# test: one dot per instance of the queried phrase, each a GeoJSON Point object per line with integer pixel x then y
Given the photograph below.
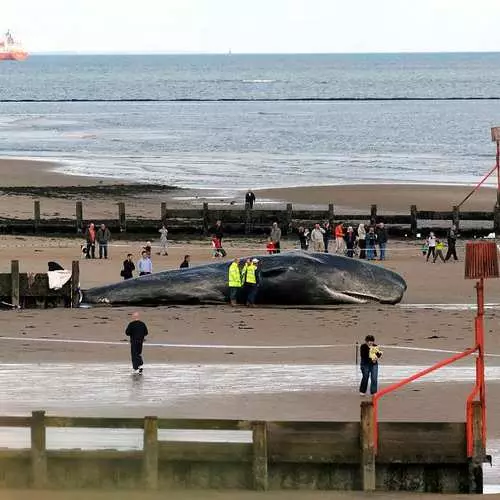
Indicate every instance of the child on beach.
{"type": "Point", "coordinates": [431, 245]}
{"type": "Point", "coordinates": [439, 251]}
{"type": "Point", "coordinates": [270, 247]}
{"type": "Point", "coordinates": [218, 251]}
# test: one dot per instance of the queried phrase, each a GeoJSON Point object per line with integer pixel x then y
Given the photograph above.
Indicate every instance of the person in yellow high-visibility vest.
{"type": "Point", "coordinates": [235, 281]}
{"type": "Point", "coordinates": [252, 280]}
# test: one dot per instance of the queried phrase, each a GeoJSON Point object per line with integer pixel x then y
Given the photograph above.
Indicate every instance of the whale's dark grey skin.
{"type": "Point", "coordinates": [294, 278]}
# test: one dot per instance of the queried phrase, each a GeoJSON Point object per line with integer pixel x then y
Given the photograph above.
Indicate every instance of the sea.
{"type": "Point", "coordinates": [212, 121]}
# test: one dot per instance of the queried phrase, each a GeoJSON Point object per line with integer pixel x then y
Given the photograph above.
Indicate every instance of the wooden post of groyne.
{"type": "Point", "coordinates": [248, 219]}
{"type": "Point", "coordinates": [150, 457]}
{"type": "Point", "coordinates": [163, 212]}
{"type": "Point", "coordinates": [122, 220]}
{"type": "Point", "coordinates": [373, 214]}
{"type": "Point", "coordinates": [75, 283]}
{"type": "Point", "coordinates": [36, 215]}
{"type": "Point", "coordinates": [79, 217]}
{"type": "Point", "coordinates": [367, 447]}
{"type": "Point", "coordinates": [456, 216]}
{"type": "Point", "coordinates": [478, 451]}
{"type": "Point", "coordinates": [38, 450]}
{"type": "Point", "coordinates": [206, 221]}
{"type": "Point", "coordinates": [331, 214]}
{"type": "Point", "coordinates": [413, 220]}
{"type": "Point", "coordinates": [289, 218]}
{"type": "Point", "coordinates": [260, 464]}
{"type": "Point", "coordinates": [14, 280]}
{"type": "Point", "coordinates": [496, 219]}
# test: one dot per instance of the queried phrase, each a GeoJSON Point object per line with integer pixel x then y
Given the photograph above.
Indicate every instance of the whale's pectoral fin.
{"type": "Point", "coordinates": [342, 298]}
{"type": "Point", "coordinates": [275, 271]}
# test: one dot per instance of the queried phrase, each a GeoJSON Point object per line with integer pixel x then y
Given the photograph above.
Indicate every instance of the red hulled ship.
{"type": "Point", "coordinates": [11, 50]}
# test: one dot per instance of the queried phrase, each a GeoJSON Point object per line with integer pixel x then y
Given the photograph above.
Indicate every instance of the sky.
{"type": "Point", "coordinates": [254, 26]}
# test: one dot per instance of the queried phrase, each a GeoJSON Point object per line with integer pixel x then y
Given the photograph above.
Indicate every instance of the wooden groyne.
{"type": "Point", "coordinates": [412, 456]}
{"type": "Point", "coordinates": [245, 221]}
{"type": "Point", "coordinates": [31, 290]}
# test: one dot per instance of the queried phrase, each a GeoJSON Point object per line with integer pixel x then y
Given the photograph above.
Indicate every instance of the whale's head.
{"type": "Point", "coordinates": [357, 281]}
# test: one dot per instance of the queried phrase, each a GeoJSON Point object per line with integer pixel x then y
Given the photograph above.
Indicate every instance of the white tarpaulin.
{"type": "Point", "coordinates": [57, 279]}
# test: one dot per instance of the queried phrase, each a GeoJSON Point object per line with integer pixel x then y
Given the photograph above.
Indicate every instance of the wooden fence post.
{"type": "Point", "coordinates": [163, 212]}
{"type": "Point", "coordinates": [122, 219]}
{"type": "Point", "coordinates": [79, 217]}
{"type": "Point", "coordinates": [331, 214]}
{"type": "Point", "coordinates": [259, 440]}
{"type": "Point", "coordinates": [150, 453]}
{"type": "Point", "coordinates": [368, 477]}
{"type": "Point", "coordinates": [289, 218]}
{"type": "Point", "coordinates": [456, 216]}
{"type": "Point", "coordinates": [496, 219]}
{"type": "Point", "coordinates": [38, 450]}
{"type": "Point", "coordinates": [36, 215]}
{"type": "Point", "coordinates": [206, 219]}
{"type": "Point", "coordinates": [478, 451]}
{"type": "Point", "coordinates": [75, 283]}
{"type": "Point", "coordinates": [14, 280]}
{"type": "Point", "coordinates": [373, 214]}
{"type": "Point", "coordinates": [248, 218]}
{"type": "Point", "coordinates": [413, 220]}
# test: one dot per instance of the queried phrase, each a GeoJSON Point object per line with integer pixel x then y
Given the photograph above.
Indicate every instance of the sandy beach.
{"type": "Point", "coordinates": [435, 317]}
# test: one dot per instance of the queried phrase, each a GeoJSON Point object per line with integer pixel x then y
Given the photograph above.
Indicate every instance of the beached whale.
{"type": "Point", "coordinates": [294, 278]}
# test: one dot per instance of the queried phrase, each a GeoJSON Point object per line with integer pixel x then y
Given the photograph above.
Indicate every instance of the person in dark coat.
{"type": "Point", "coordinates": [350, 241]}
{"type": "Point", "coordinates": [369, 355]}
{"type": "Point", "coordinates": [185, 262]}
{"type": "Point", "coordinates": [326, 235]}
{"type": "Point", "coordinates": [218, 231]}
{"type": "Point", "coordinates": [137, 331]}
{"type": "Point", "coordinates": [381, 233]}
{"type": "Point", "coordinates": [103, 237]}
{"type": "Point", "coordinates": [128, 268]}
{"type": "Point", "coordinates": [249, 199]}
{"type": "Point", "coordinates": [452, 242]}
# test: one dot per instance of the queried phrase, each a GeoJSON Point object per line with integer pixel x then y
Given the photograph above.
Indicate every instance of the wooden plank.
{"type": "Point", "coordinates": [7, 454]}
{"type": "Point", "coordinates": [204, 424]}
{"type": "Point", "coordinates": [94, 455]}
{"type": "Point", "coordinates": [75, 283]}
{"type": "Point", "coordinates": [187, 451]}
{"type": "Point", "coordinates": [122, 219]}
{"type": "Point", "coordinates": [260, 458]}
{"type": "Point", "coordinates": [36, 215]}
{"type": "Point", "coordinates": [413, 220]}
{"type": "Point", "coordinates": [314, 442]}
{"type": "Point", "coordinates": [206, 219]}
{"type": "Point", "coordinates": [15, 421]}
{"type": "Point", "coordinates": [421, 442]}
{"type": "Point", "coordinates": [163, 212]}
{"type": "Point", "coordinates": [373, 213]}
{"type": "Point", "coordinates": [14, 276]}
{"type": "Point", "coordinates": [331, 214]}
{"type": "Point", "coordinates": [38, 450]}
{"type": "Point", "coordinates": [367, 442]}
{"type": "Point", "coordinates": [150, 459]}
{"type": "Point", "coordinates": [79, 217]}
{"type": "Point", "coordinates": [95, 422]}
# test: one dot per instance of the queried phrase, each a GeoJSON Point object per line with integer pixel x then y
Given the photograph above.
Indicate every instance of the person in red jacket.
{"type": "Point", "coordinates": [339, 238]}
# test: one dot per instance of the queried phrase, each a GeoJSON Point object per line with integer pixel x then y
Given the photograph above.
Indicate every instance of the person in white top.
{"type": "Point", "coordinates": [362, 241]}
{"type": "Point", "coordinates": [431, 246]}
{"type": "Point", "coordinates": [163, 239]}
{"type": "Point", "coordinates": [318, 243]}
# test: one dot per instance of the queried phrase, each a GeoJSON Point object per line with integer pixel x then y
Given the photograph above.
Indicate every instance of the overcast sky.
{"type": "Point", "coordinates": [254, 26]}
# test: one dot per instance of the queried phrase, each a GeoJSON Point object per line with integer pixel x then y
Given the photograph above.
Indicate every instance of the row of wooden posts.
{"type": "Point", "coordinates": [251, 217]}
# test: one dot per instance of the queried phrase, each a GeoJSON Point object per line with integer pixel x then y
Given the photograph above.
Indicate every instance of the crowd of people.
{"type": "Point", "coordinates": [366, 241]}
{"type": "Point", "coordinates": [433, 247]}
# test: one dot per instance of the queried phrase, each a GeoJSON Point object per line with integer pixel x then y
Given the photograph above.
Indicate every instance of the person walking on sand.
{"type": "Point", "coordinates": [276, 236]}
{"type": "Point", "coordinates": [137, 331]}
{"type": "Point", "coordinates": [362, 241]}
{"type": "Point", "coordinates": [185, 262]}
{"type": "Point", "coordinates": [145, 266]}
{"type": "Point", "coordinates": [302, 238]}
{"type": "Point", "coordinates": [439, 251]}
{"type": "Point", "coordinates": [431, 247]}
{"type": "Point", "coordinates": [452, 242]}
{"type": "Point", "coordinates": [317, 240]}
{"type": "Point", "coordinates": [326, 235]}
{"type": "Point", "coordinates": [163, 239]}
{"type": "Point", "coordinates": [90, 236]}
{"type": "Point", "coordinates": [369, 354]}
{"type": "Point", "coordinates": [249, 199]}
{"type": "Point", "coordinates": [339, 238]}
{"type": "Point", "coordinates": [234, 281]}
{"type": "Point", "coordinates": [103, 237]}
{"type": "Point", "coordinates": [128, 268]}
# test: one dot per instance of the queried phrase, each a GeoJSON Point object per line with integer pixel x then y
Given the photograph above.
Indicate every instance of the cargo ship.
{"type": "Point", "coordinates": [10, 49]}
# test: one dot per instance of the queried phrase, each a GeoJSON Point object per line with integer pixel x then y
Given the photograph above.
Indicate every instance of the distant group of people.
{"type": "Point", "coordinates": [362, 241]}
{"type": "Point", "coordinates": [433, 246]}
{"type": "Point", "coordinates": [101, 236]}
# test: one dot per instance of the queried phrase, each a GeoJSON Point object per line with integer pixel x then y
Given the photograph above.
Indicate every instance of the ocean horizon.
{"type": "Point", "coordinates": [269, 120]}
